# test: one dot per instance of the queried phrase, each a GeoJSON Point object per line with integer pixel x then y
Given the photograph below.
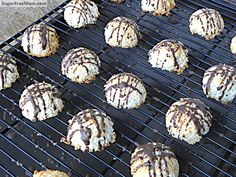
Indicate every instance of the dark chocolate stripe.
{"type": "Point", "coordinates": [130, 85]}
{"type": "Point", "coordinates": [122, 85]}
{"type": "Point", "coordinates": [149, 151]}
{"type": "Point", "coordinates": [212, 75]}
{"type": "Point", "coordinates": [229, 80]}
{"type": "Point", "coordinates": [78, 57]}
{"type": "Point", "coordinates": [43, 32]}
{"type": "Point", "coordinates": [114, 77]}
{"type": "Point", "coordinates": [226, 73]}
{"type": "Point", "coordinates": [172, 47]}
{"type": "Point", "coordinates": [84, 10]}
{"type": "Point", "coordinates": [213, 19]}
{"type": "Point", "coordinates": [192, 114]}
{"type": "Point", "coordinates": [129, 24]}
{"type": "Point", "coordinates": [86, 133]}
{"type": "Point", "coordinates": [5, 62]}
{"type": "Point", "coordinates": [41, 92]}
{"type": "Point", "coordinates": [82, 13]}
{"type": "Point", "coordinates": [36, 93]}
{"type": "Point", "coordinates": [148, 164]}
{"type": "Point", "coordinates": [128, 94]}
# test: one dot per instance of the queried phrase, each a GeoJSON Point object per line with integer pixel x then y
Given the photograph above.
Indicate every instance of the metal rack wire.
{"type": "Point", "coordinates": [28, 146]}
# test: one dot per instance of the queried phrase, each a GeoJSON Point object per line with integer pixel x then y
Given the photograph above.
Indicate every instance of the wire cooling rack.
{"type": "Point", "coordinates": [26, 146]}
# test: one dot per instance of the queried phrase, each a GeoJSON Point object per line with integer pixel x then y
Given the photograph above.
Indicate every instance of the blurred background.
{"type": "Point", "coordinates": [14, 19]}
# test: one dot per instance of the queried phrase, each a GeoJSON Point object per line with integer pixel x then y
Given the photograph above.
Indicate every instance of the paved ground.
{"type": "Point", "coordinates": [14, 19]}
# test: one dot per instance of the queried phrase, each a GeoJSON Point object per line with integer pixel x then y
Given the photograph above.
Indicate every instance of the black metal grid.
{"type": "Point", "coordinates": [26, 146]}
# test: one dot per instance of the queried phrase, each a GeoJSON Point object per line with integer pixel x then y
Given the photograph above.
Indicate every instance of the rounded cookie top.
{"type": "Point", "coordinates": [90, 130]}
{"type": "Point", "coordinates": [81, 65]}
{"type": "Point", "coordinates": [49, 173]}
{"type": "Point", "coordinates": [207, 23]}
{"type": "Point", "coordinates": [154, 159]}
{"type": "Point", "coordinates": [40, 101]}
{"type": "Point", "coordinates": [188, 119]}
{"type": "Point", "coordinates": [8, 71]}
{"type": "Point", "coordinates": [40, 40]}
{"type": "Point", "coordinates": [79, 13]}
{"type": "Point", "coordinates": [233, 45]}
{"type": "Point", "coordinates": [219, 83]}
{"type": "Point", "coordinates": [125, 90]}
{"type": "Point", "coordinates": [122, 32]}
{"type": "Point", "coordinates": [158, 7]}
{"type": "Point", "coordinates": [169, 55]}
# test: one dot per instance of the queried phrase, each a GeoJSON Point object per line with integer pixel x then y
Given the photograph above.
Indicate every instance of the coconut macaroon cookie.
{"type": "Point", "coordinates": [80, 65]}
{"type": "Point", "coordinates": [233, 45]}
{"type": "Point", "coordinates": [188, 119]}
{"type": "Point", "coordinates": [40, 101]}
{"type": "Point", "coordinates": [90, 130]}
{"type": "Point", "coordinates": [170, 55]}
{"type": "Point", "coordinates": [125, 90]}
{"type": "Point", "coordinates": [207, 23]}
{"type": "Point", "coordinates": [122, 32]}
{"type": "Point", "coordinates": [219, 83]}
{"type": "Point", "coordinates": [49, 173]}
{"type": "Point", "coordinates": [79, 13]}
{"type": "Point", "coordinates": [158, 7]}
{"type": "Point", "coordinates": [154, 159]}
{"type": "Point", "coordinates": [8, 71]}
{"type": "Point", "coordinates": [40, 40]}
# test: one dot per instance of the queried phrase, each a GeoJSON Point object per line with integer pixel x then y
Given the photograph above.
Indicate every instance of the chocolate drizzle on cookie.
{"type": "Point", "coordinates": [212, 75]}
{"type": "Point", "coordinates": [226, 73]}
{"type": "Point", "coordinates": [34, 94]}
{"type": "Point", "coordinates": [118, 84]}
{"type": "Point", "coordinates": [158, 7]}
{"type": "Point", "coordinates": [214, 23]}
{"type": "Point", "coordinates": [84, 120]}
{"type": "Point", "coordinates": [172, 46]}
{"type": "Point", "coordinates": [152, 156]}
{"type": "Point", "coordinates": [122, 27]}
{"type": "Point", "coordinates": [190, 110]}
{"type": "Point", "coordinates": [79, 57]}
{"type": "Point", "coordinates": [6, 65]}
{"type": "Point", "coordinates": [83, 9]}
{"type": "Point", "coordinates": [44, 32]}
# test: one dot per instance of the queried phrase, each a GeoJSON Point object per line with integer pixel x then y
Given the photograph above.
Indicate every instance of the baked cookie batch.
{"type": "Point", "coordinates": [92, 130]}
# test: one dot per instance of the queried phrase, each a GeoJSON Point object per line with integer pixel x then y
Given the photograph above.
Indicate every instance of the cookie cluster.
{"type": "Point", "coordinates": [91, 130]}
